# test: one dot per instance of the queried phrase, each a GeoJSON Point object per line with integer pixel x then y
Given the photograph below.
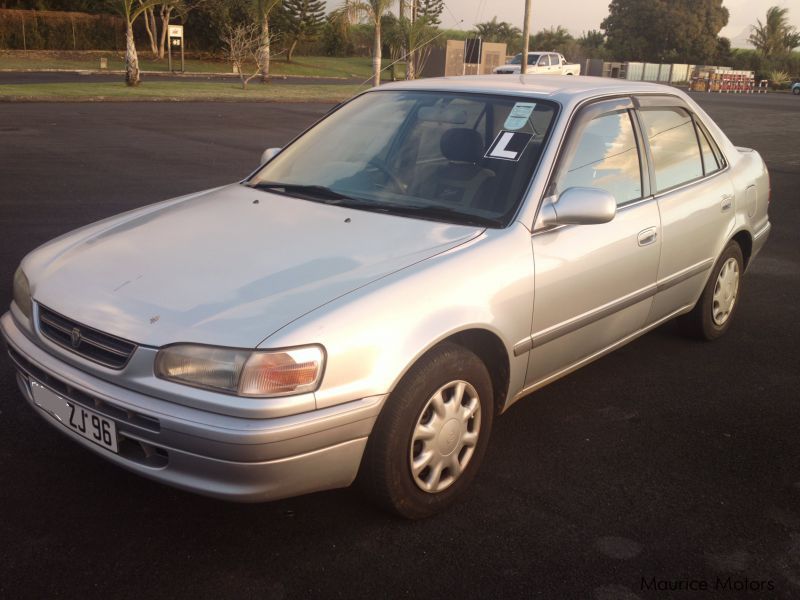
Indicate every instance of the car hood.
{"type": "Point", "coordinates": [230, 266]}
{"type": "Point", "coordinates": [515, 68]}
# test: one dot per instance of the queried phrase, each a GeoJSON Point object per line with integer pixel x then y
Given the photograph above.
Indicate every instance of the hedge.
{"type": "Point", "coordinates": [52, 30]}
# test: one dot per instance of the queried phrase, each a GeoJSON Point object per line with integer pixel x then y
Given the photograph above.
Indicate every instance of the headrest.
{"type": "Point", "coordinates": [462, 145]}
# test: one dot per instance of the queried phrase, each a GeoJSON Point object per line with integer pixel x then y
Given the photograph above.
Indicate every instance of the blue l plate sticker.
{"type": "Point", "coordinates": [509, 145]}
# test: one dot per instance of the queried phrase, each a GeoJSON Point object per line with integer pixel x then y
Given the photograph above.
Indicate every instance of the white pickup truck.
{"type": "Point", "coordinates": [541, 63]}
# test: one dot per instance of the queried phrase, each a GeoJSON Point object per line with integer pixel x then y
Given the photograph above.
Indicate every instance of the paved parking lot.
{"type": "Point", "coordinates": [669, 459]}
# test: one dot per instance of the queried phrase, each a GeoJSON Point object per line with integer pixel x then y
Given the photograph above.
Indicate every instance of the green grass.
{"type": "Point", "coordinates": [177, 91]}
{"type": "Point", "coordinates": [305, 66]}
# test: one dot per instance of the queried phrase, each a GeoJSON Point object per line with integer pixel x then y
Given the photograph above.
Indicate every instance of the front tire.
{"type": "Point", "coordinates": [712, 315]}
{"type": "Point", "coordinates": [431, 436]}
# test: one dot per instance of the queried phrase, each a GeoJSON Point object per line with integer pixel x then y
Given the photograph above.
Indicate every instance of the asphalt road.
{"type": "Point", "coordinates": [671, 459]}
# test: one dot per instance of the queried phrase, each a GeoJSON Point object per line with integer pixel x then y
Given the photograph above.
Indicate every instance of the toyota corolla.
{"type": "Point", "coordinates": [381, 288]}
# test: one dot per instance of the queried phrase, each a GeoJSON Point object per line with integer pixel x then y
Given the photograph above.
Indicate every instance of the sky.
{"type": "Point", "coordinates": [582, 15]}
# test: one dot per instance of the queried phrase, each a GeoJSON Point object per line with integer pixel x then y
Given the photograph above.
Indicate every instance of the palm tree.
{"type": "Point", "coordinates": [553, 39]}
{"type": "Point", "coordinates": [130, 11]}
{"type": "Point", "coordinates": [354, 10]}
{"type": "Point", "coordinates": [775, 36]}
{"type": "Point", "coordinates": [502, 32]}
{"type": "Point", "coordinates": [265, 7]}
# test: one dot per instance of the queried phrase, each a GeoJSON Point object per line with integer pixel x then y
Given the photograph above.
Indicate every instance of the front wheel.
{"type": "Point", "coordinates": [712, 315]}
{"type": "Point", "coordinates": [796, 91]}
{"type": "Point", "coordinates": [431, 436]}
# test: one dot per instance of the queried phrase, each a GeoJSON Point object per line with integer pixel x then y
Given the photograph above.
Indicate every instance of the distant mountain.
{"type": "Point", "coordinates": [740, 41]}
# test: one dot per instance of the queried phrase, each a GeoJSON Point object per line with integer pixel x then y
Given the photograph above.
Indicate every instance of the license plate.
{"type": "Point", "coordinates": [94, 427]}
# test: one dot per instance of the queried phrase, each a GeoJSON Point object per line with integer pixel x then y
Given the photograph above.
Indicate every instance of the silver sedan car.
{"type": "Point", "coordinates": [380, 289]}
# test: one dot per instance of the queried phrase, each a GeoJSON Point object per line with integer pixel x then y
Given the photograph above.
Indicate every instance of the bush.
{"type": "Point", "coordinates": [752, 60]}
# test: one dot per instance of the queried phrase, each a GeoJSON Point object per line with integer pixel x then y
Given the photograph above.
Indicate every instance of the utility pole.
{"type": "Point", "coordinates": [526, 34]}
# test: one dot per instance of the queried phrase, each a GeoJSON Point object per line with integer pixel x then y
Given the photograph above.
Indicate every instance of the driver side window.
{"type": "Point", "coordinates": [604, 156]}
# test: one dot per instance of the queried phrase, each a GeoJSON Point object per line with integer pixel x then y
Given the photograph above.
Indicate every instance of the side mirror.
{"type": "Point", "coordinates": [580, 206]}
{"type": "Point", "coordinates": [269, 154]}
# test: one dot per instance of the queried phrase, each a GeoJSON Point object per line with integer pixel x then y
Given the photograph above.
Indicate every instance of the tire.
{"type": "Point", "coordinates": [413, 411]}
{"type": "Point", "coordinates": [796, 91]}
{"type": "Point", "coordinates": [711, 317]}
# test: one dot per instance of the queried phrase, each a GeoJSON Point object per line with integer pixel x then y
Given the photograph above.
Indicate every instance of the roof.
{"type": "Point", "coordinates": [564, 89]}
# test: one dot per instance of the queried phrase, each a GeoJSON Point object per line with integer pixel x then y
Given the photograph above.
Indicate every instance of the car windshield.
{"type": "Point", "coordinates": [458, 158]}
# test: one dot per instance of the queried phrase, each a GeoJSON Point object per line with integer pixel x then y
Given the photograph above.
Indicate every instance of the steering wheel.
{"type": "Point", "coordinates": [381, 166]}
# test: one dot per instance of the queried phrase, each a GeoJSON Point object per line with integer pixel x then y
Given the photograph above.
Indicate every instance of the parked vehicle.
{"type": "Point", "coordinates": [540, 63]}
{"type": "Point", "coordinates": [375, 294]}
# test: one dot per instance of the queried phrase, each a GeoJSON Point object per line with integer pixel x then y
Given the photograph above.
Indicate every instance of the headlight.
{"type": "Point", "coordinates": [22, 293]}
{"type": "Point", "coordinates": [256, 373]}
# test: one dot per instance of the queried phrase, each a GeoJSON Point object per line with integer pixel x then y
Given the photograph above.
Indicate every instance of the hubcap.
{"type": "Point", "coordinates": [445, 436]}
{"type": "Point", "coordinates": [725, 291]}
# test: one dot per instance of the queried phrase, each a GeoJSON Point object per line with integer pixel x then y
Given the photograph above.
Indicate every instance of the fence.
{"type": "Point", "coordinates": [736, 83]}
{"type": "Point", "coordinates": [699, 77]}
{"type": "Point", "coordinates": [658, 72]}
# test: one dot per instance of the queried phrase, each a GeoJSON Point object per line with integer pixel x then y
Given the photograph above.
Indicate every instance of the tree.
{"type": "Point", "coordinates": [592, 44]}
{"type": "Point", "coordinates": [130, 11]}
{"type": "Point", "coordinates": [207, 20]}
{"type": "Point", "coordinates": [151, 28]}
{"type": "Point", "coordinates": [265, 8]}
{"type": "Point", "coordinates": [553, 39]}
{"type": "Point", "coordinates": [775, 37]}
{"type": "Point", "coordinates": [664, 30]}
{"type": "Point", "coordinates": [431, 10]}
{"type": "Point", "coordinates": [304, 19]}
{"type": "Point", "coordinates": [419, 34]}
{"type": "Point", "coordinates": [243, 45]}
{"type": "Point", "coordinates": [336, 34]}
{"type": "Point", "coordinates": [373, 10]}
{"type": "Point", "coordinates": [165, 8]}
{"type": "Point", "coordinates": [502, 32]}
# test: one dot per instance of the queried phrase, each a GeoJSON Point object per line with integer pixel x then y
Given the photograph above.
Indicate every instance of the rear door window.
{"type": "Point", "coordinates": [673, 145]}
{"type": "Point", "coordinates": [712, 161]}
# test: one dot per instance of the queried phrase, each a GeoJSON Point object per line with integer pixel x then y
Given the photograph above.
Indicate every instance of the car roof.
{"type": "Point", "coordinates": [564, 89]}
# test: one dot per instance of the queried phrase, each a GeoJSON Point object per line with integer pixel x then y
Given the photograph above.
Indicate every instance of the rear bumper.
{"type": "Point", "coordinates": [234, 458]}
{"type": "Point", "coordinates": [759, 239]}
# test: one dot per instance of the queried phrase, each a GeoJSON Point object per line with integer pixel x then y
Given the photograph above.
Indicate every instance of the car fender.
{"type": "Point", "coordinates": [373, 335]}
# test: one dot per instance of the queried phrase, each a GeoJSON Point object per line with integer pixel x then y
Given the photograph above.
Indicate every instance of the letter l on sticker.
{"type": "Point", "coordinates": [509, 145]}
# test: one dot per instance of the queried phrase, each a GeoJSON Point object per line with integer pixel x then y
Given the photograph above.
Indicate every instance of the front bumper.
{"type": "Point", "coordinates": [228, 457]}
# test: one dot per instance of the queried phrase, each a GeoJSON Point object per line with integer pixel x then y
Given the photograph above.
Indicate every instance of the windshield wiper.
{"type": "Point", "coordinates": [442, 213]}
{"type": "Point", "coordinates": [320, 193]}
{"type": "Point", "coordinates": [312, 192]}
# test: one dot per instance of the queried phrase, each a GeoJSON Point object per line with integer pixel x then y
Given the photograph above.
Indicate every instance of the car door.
{"type": "Point", "coordinates": [555, 64]}
{"type": "Point", "coordinates": [594, 284]}
{"type": "Point", "coordinates": [695, 198]}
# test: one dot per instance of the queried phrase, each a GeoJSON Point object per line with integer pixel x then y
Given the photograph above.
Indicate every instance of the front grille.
{"type": "Point", "coordinates": [78, 397]}
{"type": "Point", "coordinates": [87, 342]}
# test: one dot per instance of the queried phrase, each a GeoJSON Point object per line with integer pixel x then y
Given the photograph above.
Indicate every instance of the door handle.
{"type": "Point", "coordinates": [647, 236]}
{"type": "Point", "coordinates": [727, 202]}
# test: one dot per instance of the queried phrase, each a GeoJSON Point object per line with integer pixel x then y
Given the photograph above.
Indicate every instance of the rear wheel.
{"type": "Point", "coordinates": [712, 315]}
{"type": "Point", "coordinates": [796, 91]}
{"type": "Point", "coordinates": [430, 438]}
